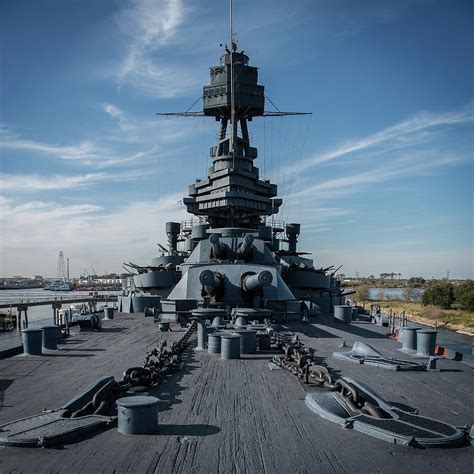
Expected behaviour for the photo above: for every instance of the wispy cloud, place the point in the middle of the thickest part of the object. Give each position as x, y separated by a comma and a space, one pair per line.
148, 26
126, 141
79, 230
411, 132
33, 183
415, 147
85, 151
418, 164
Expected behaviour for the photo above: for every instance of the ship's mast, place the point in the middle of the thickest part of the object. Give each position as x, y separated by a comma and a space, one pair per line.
233, 128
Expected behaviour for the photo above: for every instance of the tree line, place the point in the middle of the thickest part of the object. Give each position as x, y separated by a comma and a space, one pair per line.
446, 295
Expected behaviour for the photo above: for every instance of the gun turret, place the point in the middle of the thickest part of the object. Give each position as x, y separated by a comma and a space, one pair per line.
256, 281
245, 250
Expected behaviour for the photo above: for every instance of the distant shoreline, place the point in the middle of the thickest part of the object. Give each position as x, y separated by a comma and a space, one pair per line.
460, 321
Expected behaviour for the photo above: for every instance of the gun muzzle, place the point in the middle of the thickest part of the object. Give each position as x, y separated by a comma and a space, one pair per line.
256, 281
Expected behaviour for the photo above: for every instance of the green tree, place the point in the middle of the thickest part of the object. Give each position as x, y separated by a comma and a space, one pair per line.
439, 294
464, 294
416, 282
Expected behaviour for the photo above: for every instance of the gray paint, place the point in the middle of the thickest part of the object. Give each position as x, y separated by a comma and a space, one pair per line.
426, 342
190, 287
214, 343
32, 340
137, 415
108, 312
342, 313
230, 346
248, 340
408, 338
50, 337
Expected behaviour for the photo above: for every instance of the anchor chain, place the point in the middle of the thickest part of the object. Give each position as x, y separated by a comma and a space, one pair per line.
158, 363
299, 360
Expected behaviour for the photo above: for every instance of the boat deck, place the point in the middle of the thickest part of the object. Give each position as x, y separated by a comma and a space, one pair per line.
230, 416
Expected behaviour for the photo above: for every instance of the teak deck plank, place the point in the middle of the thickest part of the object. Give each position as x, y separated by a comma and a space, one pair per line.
228, 416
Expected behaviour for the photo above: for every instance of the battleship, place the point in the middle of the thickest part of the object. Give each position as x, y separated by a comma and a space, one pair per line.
231, 352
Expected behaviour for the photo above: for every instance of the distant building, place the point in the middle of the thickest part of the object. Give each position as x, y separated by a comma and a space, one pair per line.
38, 278
108, 281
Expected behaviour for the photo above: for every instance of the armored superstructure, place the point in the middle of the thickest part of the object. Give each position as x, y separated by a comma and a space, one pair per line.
233, 252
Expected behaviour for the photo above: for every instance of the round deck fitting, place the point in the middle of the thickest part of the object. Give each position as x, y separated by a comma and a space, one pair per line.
108, 313
342, 313
248, 340
137, 415
32, 339
251, 314
214, 343
426, 342
50, 337
408, 338
230, 346
202, 333
209, 313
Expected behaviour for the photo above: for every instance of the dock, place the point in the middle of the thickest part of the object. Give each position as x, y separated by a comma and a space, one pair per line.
233, 416
10, 341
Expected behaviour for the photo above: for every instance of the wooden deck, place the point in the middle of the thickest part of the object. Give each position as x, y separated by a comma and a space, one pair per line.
229, 416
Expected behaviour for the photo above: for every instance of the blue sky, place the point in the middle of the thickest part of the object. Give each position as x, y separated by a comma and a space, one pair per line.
381, 176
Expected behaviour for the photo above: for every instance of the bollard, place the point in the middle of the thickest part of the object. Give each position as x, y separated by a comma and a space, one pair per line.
108, 313
214, 343
32, 340
248, 340
230, 346
408, 338
50, 337
425, 342
202, 331
137, 415
342, 313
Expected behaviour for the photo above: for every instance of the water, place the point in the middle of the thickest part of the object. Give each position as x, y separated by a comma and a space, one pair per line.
37, 315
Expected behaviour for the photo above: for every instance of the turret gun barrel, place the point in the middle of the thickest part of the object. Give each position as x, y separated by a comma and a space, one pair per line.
218, 250
257, 280
245, 249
